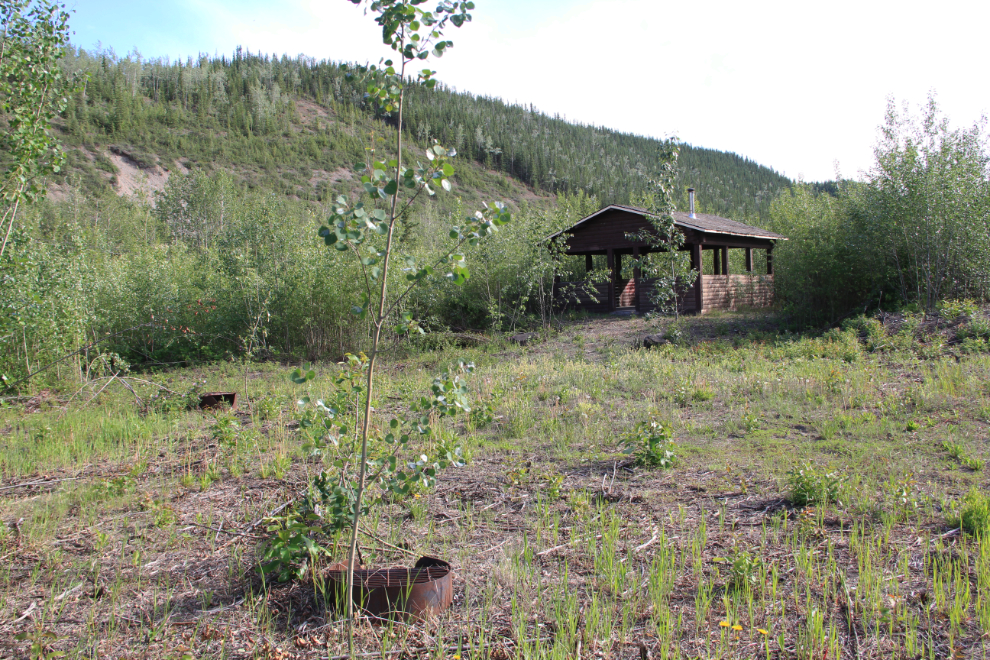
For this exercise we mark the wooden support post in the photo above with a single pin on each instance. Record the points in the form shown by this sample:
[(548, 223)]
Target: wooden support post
[(613, 279), (699, 286), (749, 260), (770, 260), (589, 263), (636, 276), (725, 260), (716, 257)]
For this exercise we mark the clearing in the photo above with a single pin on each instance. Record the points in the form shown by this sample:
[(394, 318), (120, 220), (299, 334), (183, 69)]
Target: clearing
[(134, 534)]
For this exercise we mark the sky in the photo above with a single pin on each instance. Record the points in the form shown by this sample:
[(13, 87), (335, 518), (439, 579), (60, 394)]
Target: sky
[(799, 87)]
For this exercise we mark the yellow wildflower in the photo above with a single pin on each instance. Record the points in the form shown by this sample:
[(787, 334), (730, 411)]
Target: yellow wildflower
[(762, 631), (724, 624), (737, 627)]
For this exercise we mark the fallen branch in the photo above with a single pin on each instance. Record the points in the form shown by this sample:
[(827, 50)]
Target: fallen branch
[(224, 531), (10, 386), (647, 544), (27, 612), (39, 483), (387, 544), (494, 547), (564, 545), (246, 532)]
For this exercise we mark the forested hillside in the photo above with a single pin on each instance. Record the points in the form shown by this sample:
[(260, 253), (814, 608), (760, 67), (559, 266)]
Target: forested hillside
[(295, 125)]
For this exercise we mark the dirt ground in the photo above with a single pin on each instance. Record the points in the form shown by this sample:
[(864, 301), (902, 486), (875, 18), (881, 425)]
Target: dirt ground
[(135, 535)]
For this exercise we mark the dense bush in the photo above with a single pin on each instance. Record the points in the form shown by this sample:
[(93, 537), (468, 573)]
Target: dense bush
[(113, 271), (211, 271), (916, 232)]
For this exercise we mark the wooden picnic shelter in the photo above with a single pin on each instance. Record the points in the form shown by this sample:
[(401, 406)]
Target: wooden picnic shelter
[(605, 233)]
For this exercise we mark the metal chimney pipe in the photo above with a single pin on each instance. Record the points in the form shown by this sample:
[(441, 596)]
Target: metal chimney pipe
[(691, 202)]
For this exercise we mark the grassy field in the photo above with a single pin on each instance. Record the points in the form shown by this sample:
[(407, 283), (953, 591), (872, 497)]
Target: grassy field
[(134, 534)]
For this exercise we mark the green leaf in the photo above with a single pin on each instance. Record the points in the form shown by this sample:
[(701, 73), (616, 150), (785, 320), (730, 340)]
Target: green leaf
[(391, 188)]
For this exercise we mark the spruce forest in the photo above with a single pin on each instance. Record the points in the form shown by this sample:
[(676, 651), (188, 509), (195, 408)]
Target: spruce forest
[(359, 253)]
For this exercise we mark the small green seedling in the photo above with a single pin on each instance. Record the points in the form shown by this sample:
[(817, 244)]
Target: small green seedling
[(652, 444)]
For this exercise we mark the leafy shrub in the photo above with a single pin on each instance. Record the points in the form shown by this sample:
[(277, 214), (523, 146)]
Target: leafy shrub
[(812, 486), (166, 402), (842, 344), (113, 487), (974, 464), (291, 549), (952, 310), (225, 430), (652, 444), (974, 515), (973, 345), (674, 333), (552, 485), (907, 335), (743, 570), (749, 422), (976, 327), (872, 332), (954, 449), (703, 394), (266, 407)]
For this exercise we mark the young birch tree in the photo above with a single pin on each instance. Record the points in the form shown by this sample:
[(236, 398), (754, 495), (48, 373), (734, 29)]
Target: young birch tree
[(926, 206), (670, 267), (368, 231), (33, 91)]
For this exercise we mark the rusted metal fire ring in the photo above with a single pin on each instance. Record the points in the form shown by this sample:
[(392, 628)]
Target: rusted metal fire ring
[(211, 400), (389, 593)]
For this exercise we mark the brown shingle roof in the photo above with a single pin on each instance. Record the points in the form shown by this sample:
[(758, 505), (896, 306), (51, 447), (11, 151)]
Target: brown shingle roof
[(703, 222), (714, 224)]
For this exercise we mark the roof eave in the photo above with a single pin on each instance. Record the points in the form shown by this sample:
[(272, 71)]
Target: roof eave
[(677, 222)]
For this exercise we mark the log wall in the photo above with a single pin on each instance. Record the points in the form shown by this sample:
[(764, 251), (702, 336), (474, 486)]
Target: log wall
[(584, 300), (728, 292), (685, 303), (625, 293), (722, 292)]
